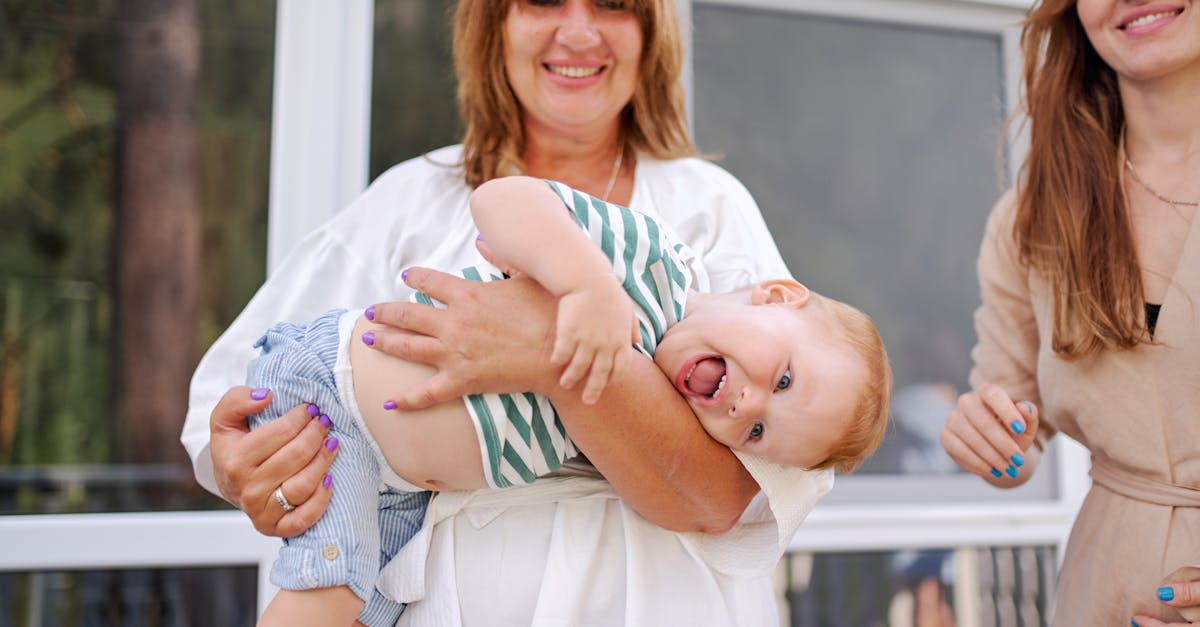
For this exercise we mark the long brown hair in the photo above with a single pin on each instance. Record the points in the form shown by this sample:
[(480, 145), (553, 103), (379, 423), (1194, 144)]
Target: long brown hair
[(654, 121), (1072, 225)]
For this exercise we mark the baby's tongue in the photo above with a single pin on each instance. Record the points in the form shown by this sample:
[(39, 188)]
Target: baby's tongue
[(706, 376)]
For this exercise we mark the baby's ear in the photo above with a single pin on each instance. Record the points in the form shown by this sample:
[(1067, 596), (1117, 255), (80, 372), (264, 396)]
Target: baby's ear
[(780, 292)]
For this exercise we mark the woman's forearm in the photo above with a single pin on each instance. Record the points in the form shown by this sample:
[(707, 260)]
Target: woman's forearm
[(645, 440)]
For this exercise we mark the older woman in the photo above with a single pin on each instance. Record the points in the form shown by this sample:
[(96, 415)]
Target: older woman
[(587, 93), (1090, 276)]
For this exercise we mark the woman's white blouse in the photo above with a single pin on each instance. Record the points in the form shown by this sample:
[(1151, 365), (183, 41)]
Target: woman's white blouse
[(566, 550)]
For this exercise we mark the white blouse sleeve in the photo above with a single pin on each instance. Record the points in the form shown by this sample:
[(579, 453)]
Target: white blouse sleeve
[(321, 273), (753, 546)]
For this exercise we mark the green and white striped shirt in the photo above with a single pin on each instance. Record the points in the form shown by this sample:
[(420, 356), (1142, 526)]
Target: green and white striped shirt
[(520, 435)]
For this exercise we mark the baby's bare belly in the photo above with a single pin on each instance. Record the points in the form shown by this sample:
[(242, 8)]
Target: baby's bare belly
[(435, 448)]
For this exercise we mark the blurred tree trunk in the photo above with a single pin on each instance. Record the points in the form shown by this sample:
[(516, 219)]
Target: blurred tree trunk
[(158, 221)]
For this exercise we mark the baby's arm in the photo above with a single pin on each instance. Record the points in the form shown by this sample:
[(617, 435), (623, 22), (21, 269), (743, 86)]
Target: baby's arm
[(526, 225), (318, 607)]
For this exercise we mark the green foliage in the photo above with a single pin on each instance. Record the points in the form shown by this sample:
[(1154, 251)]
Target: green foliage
[(412, 102), (59, 67)]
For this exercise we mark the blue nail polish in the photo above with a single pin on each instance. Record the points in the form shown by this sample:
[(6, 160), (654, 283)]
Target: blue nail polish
[(1133, 623), (259, 393), (1012, 472), (1017, 460), (1166, 593), (995, 473), (1018, 428)]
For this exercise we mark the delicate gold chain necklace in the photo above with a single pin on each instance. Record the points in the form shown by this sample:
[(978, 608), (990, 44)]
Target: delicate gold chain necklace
[(1154, 192), (616, 169)]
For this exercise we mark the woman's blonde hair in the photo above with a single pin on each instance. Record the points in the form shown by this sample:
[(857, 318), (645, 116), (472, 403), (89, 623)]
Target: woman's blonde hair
[(654, 122), (1072, 225)]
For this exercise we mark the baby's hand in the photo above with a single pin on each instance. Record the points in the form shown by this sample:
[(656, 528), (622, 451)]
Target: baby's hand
[(596, 327)]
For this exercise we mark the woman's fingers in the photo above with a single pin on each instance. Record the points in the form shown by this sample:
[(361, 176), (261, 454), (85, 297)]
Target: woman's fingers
[(250, 465), (297, 454), (978, 435), (438, 285), (228, 432), (1181, 589), (314, 487), (437, 389)]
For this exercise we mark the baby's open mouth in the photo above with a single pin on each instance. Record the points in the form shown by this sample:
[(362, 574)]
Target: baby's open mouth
[(706, 377)]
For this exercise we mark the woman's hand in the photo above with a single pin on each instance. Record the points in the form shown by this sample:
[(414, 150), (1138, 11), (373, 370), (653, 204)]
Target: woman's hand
[(990, 436), (285, 453), (493, 337), (1180, 590)]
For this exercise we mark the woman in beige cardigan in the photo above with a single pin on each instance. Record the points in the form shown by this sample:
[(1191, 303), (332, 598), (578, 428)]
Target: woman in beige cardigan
[(1090, 323)]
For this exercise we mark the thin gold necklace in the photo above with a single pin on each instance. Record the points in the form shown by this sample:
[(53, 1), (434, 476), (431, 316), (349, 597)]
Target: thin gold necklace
[(616, 169), (1154, 192)]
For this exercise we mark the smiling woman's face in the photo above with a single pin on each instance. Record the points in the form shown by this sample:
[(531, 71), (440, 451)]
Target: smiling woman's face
[(1144, 41), (573, 64)]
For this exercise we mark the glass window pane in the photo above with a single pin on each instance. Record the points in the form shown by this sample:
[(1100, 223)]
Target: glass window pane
[(134, 152), (872, 150), (412, 100), (193, 596), (1011, 586)]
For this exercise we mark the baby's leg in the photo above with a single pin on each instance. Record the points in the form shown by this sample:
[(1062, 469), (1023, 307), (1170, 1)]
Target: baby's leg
[(342, 548), (401, 515)]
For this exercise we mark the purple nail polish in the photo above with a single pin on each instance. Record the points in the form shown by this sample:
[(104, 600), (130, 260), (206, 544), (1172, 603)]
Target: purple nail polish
[(369, 338), (327, 481), (259, 393), (404, 274), (389, 405), (325, 421), (331, 444), (313, 410), (479, 238), (370, 313)]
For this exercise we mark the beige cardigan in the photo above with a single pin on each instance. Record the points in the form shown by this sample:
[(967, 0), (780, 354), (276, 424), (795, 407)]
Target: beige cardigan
[(1137, 411)]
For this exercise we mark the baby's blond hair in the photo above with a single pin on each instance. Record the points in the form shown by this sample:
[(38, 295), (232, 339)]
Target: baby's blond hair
[(866, 429)]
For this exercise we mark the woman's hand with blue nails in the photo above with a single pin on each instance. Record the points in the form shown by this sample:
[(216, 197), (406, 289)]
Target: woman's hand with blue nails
[(1180, 590), (991, 436)]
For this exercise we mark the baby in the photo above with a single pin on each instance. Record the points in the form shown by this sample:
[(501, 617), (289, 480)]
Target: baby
[(772, 370)]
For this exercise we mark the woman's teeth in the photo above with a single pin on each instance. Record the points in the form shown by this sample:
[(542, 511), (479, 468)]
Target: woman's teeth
[(1146, 19), (571, 71)]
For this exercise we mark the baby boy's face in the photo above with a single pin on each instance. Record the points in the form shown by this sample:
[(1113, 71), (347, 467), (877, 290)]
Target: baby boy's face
[(773, 380)]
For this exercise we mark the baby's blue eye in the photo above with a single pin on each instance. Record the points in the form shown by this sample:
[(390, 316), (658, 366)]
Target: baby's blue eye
[(785, 381), (756, 431)]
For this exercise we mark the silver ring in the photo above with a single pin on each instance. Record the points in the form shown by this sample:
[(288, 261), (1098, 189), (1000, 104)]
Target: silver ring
[(283, 502)]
